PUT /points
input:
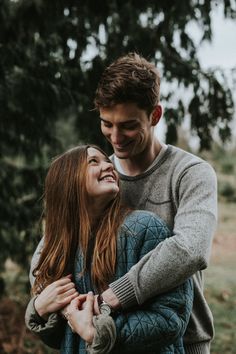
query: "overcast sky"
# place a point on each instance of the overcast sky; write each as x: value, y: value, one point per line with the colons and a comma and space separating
x: 222, y: 50
x: 219, y: 53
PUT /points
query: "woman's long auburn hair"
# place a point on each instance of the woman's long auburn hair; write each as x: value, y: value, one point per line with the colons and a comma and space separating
x: 67, y: 223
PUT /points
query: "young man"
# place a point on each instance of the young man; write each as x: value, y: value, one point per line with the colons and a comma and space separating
x: 176, y: 185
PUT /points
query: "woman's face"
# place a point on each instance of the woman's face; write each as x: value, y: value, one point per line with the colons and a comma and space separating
x: 101, y: 177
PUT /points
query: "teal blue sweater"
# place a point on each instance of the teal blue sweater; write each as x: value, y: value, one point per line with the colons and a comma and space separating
x: 159, y: 325
x: 156, y: 327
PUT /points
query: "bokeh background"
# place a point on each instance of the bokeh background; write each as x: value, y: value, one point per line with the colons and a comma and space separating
x: 52, y: 54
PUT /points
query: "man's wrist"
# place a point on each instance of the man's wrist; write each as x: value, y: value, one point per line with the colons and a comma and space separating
x: 110, y: 298
x: 104, y: 307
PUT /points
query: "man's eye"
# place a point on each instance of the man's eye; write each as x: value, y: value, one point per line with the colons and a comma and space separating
x: 106, y: 124
x: 130, y: 127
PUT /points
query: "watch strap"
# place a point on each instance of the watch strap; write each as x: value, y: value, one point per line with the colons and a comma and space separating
x: 101, y: 302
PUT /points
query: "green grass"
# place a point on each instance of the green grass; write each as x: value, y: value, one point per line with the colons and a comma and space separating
x: 220, y: 292
x: 220, y: 282
x: 227, y: 219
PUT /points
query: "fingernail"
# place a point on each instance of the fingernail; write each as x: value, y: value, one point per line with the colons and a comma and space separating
x: 90, y: 292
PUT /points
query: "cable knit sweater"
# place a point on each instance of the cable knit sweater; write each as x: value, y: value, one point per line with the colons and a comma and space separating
x: 181, y: 188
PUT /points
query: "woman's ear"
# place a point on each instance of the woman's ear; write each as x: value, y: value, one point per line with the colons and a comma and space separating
x: 156, y: 114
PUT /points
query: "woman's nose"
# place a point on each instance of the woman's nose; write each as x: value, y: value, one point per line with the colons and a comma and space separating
x: 107, y: 166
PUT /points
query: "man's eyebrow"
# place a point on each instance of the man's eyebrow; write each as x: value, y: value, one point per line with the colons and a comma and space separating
x: 131, y: 120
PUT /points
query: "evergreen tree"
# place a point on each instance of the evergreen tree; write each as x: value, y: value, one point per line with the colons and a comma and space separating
x: 52, y: 54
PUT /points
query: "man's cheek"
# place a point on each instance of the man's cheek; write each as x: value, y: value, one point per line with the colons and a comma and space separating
x: 140, y: 135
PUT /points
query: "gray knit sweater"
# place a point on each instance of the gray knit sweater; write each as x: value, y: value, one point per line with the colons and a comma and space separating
x: 181, y: 188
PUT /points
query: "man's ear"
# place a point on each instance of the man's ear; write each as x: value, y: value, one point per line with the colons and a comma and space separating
x: 156, y: 114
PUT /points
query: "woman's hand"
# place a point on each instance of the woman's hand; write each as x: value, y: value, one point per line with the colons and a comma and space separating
x: 80, y: 316
x: 55, y: 296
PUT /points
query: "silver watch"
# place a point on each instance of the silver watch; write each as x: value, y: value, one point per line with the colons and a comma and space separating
x: 104, y: 308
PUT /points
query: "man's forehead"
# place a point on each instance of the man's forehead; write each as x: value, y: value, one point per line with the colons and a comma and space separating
x: 125, y: 112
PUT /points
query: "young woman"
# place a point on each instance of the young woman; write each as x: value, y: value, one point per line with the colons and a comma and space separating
x: 91, y: 239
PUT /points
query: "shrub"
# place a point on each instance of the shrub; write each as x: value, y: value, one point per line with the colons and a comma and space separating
x: 227, y: 190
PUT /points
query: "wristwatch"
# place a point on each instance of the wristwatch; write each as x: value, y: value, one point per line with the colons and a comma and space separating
x: 104, y: 308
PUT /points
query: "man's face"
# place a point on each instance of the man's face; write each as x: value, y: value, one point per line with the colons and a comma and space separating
x: 128, y: 129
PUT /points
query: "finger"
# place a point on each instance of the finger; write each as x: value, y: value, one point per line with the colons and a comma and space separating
x: 89, y: 301
x: 65, y: 300
x: 70, y: 292
x: 75, y: 302
x: 62, y: 281
x: 75, y: 295
x: 83, y: 297
x: 66, y: 287
x: 95, y: 306
x: 61, y: 297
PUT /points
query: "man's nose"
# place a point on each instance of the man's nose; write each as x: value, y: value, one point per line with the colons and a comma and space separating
x: 116, y: 136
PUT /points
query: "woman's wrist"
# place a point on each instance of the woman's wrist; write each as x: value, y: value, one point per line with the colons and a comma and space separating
x: 40, y: 310
x: 90, y: 336
x: 87, y: 332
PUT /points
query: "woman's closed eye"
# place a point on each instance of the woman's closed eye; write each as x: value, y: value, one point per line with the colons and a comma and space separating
x: 93, y: 160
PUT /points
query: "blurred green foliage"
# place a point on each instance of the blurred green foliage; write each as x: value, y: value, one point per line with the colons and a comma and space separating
x: 228, y: 191
x: 52, y: 54
x: 224, y: 162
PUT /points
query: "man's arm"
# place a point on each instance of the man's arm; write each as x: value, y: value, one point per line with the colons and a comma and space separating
x: 182, y: 255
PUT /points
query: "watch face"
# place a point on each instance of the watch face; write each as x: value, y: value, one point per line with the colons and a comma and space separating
x: 105, y: 309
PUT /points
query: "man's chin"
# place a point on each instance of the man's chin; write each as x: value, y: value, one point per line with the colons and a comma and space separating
x: 121, y: 155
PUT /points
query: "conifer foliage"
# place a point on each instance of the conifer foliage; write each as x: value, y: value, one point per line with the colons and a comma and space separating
x: 52, y: 54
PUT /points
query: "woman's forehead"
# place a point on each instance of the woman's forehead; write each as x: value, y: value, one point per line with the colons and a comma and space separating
x: 91, y: 151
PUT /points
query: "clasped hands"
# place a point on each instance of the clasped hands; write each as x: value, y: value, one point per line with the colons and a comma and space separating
x: 78, y: 309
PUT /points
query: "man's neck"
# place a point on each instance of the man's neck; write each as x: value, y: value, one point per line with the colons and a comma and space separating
x: 138, y: 164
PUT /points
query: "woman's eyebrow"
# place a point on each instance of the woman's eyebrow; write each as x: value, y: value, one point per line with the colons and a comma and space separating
x: 92, y: 157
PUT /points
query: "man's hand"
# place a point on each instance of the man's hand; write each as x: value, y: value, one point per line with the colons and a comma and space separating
x: 55, y: 296
x: 80, y: 316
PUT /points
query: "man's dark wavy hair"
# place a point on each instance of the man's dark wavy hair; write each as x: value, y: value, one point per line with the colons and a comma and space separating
x: 130, y: 78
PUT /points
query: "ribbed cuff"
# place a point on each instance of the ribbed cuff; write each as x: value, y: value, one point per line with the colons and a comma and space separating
x: 197, y: 348
x: 124, y: 291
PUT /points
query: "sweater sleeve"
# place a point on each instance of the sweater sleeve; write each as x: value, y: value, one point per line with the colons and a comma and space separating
x: 51, y: 331
x: 34, y: 261
x: 187, y: 251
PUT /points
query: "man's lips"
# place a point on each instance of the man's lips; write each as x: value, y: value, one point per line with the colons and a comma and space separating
x: 121, y: 147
